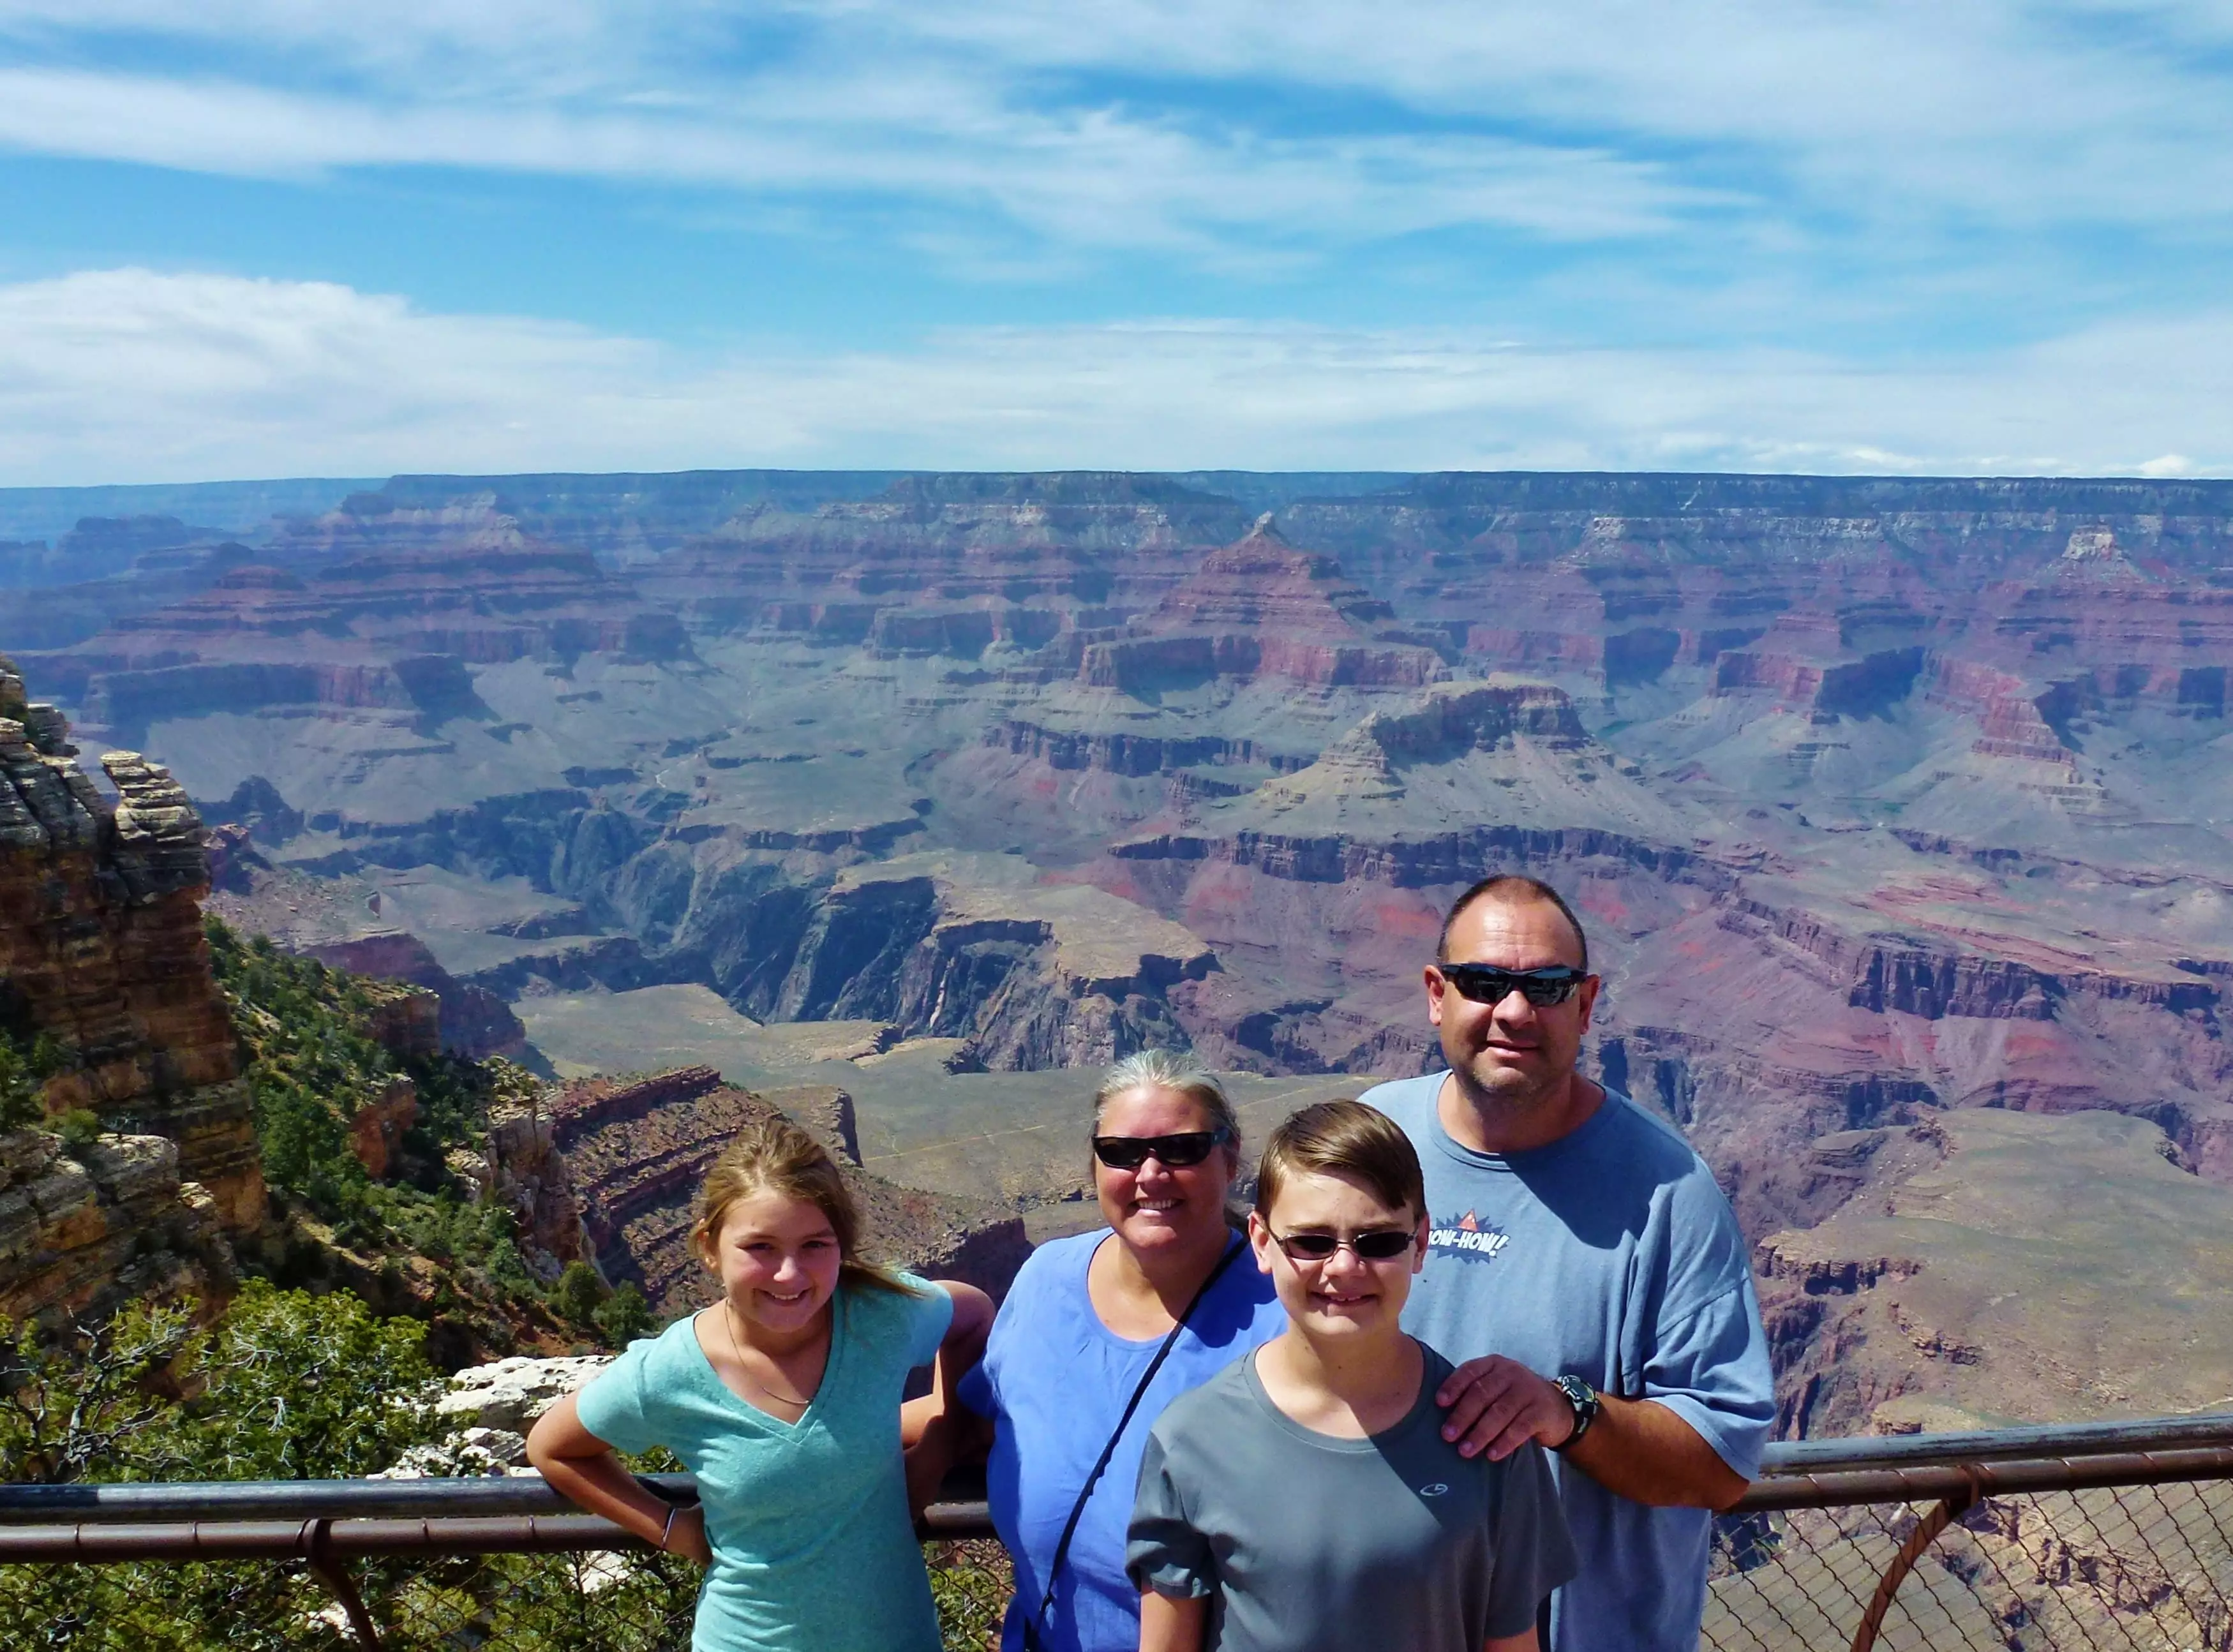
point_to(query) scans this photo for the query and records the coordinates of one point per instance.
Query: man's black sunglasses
(1374, 1245)
(1173, 1152)
(1485, 984)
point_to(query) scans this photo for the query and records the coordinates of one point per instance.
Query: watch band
(1584, 1398)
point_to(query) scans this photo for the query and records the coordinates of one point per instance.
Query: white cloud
(1099, 176)
(2011, 111)
(1994, 109)
(133, 375)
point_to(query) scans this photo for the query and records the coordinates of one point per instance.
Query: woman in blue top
(783, 1398)
(1081, 1326)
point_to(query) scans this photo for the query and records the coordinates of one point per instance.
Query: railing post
(318, 1544)
(1951, 1508)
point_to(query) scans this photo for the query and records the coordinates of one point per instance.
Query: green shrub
(311, 1063)
(283, 1386)
(20, 1105)
(579, 1293)
(624, 1317)
(27, 1061)
(78, 1127)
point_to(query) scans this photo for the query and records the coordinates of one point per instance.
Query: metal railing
(2095, 1535)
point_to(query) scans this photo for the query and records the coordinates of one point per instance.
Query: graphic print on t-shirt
(1468, 1237)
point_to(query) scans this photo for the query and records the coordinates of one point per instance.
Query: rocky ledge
(84, 1229)
(102, 949)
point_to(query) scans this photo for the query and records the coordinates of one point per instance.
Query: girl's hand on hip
(686, 1536)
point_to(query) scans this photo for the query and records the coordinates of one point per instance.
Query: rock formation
(377, 1128)
(637, 1150)
(338, 921)
(521, 1168)
(1260, 607)
(84, 1229)
(1883, 799)
(396, 627)
(102, 949)
(1997, 1267)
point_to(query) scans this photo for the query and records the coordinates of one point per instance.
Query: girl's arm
(963, 1345)
(937, 1430)
(1173, 1625)
(1523, 1642)
(580, 1466)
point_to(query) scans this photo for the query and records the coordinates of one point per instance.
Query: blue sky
(294, 237)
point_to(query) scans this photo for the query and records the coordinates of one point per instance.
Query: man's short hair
(1512, 887)
(1342, 1138)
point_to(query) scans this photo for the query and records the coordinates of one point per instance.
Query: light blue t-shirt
(1610, 1255)
(1054, 1381)
(813, 1547)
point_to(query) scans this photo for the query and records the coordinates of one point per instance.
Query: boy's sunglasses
(1484, 983)
(1374, 1245)
(1174, 1152)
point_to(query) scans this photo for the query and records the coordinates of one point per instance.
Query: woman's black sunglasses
(1374, 1245)
(1485, 984)
(1173, 1152)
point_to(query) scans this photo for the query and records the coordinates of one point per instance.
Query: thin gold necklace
(738, 1354)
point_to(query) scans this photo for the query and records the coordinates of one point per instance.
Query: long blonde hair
(775, 1155)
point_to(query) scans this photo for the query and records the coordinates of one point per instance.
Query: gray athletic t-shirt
(1610, 1255)
(1305, 1541)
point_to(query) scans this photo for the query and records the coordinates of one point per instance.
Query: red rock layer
(946, 564)
(393, 630)
(1261, 608)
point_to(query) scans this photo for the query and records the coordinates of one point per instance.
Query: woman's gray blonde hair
(1167, 1070)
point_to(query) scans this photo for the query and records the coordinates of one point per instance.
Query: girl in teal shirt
(783, 1398)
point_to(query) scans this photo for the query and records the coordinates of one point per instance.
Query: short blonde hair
(775, 1155)
(1343, 1138)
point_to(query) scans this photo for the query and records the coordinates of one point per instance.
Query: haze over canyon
(1886, 802)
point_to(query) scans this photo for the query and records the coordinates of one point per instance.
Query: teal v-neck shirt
(813, 1548)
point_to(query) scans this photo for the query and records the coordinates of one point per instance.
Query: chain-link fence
(2124, 1541)
(576, 1602)
(2137, 1568)
(590, 1601)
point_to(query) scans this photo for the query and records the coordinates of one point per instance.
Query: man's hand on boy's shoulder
(1640, 1449)
(1497, 1405)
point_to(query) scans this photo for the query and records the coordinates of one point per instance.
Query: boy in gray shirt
(1304, 1498)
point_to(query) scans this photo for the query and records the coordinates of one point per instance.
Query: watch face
(1583, 1398)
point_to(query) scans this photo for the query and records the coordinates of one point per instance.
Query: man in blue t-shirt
(1585, 1271)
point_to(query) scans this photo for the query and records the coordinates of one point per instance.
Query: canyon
(1888, 803)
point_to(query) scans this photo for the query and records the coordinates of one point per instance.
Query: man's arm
(1173, 1625)
(1636, 1448)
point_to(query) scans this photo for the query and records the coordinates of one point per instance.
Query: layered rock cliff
(635, 1151)
(397, 628)
(101, 950)
(1881, 798)
(1996, 1267)
(87, 1227)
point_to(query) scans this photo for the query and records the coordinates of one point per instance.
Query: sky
(272, 238)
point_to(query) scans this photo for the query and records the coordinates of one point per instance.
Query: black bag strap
(1108, 1449)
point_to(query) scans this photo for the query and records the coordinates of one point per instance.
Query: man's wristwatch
(1584, 1398)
